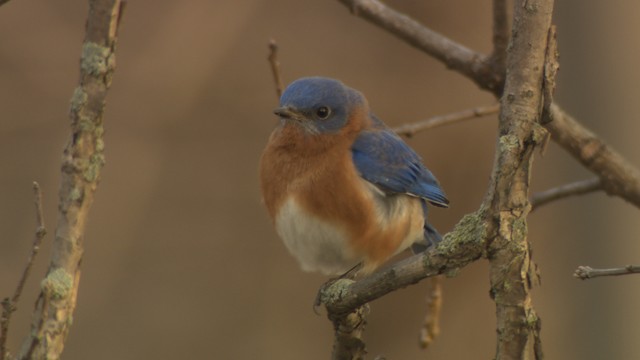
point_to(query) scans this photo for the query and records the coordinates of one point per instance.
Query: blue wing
(383, 159)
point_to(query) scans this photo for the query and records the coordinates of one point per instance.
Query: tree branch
(448, 119)
(618, 176)
(455, 56)
(586, 272)
(9, 305)
(575, 188)
(464, 244)
(511, 270)
(82, 162)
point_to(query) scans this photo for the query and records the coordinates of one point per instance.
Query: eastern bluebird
(340, 186)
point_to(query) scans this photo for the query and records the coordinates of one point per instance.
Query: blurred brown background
(181, 261)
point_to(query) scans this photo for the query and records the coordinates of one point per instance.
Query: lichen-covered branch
(344, 299)
(82, 162)
(511, 269)
(464, 244)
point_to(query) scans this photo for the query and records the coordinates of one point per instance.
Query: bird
(341, 188)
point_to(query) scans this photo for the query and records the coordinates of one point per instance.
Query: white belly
(317, 244)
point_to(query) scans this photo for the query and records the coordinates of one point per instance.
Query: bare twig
(275, 67)
(586, 272)
(431, 325)
(41, 231)
(448, 119)
(82, 163)
(576, 188)
(9, 305)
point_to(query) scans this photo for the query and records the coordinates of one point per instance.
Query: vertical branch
(348, 325)
(81, 166)
(348, 344)
(511, 269)
(500, 36)
(431, 325)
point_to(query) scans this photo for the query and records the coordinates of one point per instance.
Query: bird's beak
(285, 112)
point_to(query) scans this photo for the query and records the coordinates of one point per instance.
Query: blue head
(318, 104)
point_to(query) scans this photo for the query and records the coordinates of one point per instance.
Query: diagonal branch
(618, 175)
(82, 162)
(455, 56)
(9, 305)
(575, 188)
(464, 244)
(448, 119)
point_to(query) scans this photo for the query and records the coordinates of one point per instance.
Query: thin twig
(586, 272)
(575, 188)
(431, 326)
(275, 66)
(10, 305)
(440, 120)
(41, 231)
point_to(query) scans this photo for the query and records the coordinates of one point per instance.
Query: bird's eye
(323, 112)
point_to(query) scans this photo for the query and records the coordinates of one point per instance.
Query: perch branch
(275, 67)
(586, 272)
(464, 244)
(448, 119)
(9, 305)
(576, 188)
(82, 162)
